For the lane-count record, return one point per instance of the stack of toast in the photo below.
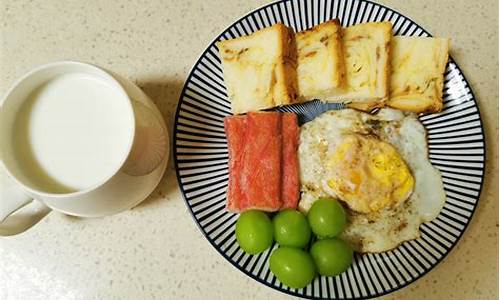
(362, 65)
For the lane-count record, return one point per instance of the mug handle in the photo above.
(18, 211)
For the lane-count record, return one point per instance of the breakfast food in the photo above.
(361, 65)
(328, 255)
(364, 181)
(368, 173)
(418, 64)
(378, 166)
(263, 161)
(254, 231)
(366, 52)
(261, 156)
(327, 218)
(260, 69)
(290, 193)
(331, 256)
(291, 228)
(293, 266)
(320, 61)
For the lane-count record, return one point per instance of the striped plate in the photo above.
(456, 147)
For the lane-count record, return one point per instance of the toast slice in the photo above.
(367, 53)
(320, 61)
(260, 69)
(418, 64)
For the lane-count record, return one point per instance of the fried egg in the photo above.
(378, 167)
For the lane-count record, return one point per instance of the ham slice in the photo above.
(290, 186)
(260, 176)
(263, 162)
(235, 128)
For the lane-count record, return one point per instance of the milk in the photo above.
(72, 133)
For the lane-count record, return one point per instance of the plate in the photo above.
(456, 148)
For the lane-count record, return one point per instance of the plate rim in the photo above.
(289, 292)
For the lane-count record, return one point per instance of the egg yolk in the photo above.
(369, 174)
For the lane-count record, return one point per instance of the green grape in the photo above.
(254, 231)
(291, 229)
(331, 256)
(326, 218)
(293, 267)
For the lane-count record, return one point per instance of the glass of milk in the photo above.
(77, 139)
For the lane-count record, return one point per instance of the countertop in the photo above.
(155, 250)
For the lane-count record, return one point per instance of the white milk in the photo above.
(72, 133)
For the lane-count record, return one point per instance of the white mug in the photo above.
(79, 140)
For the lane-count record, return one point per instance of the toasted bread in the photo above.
(260, 69)
(366, 52)
(320, 62)
(418, 64)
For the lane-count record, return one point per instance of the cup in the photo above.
(79, 140)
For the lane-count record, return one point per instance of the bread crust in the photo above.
(408, 93)
(287, 67)
(375, 92)
(318, 79)
(260, 69)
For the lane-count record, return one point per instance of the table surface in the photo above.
(155, 250)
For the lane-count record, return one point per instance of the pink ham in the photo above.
(290, 187)
(260, 176)
(235, 128)
(263, 162)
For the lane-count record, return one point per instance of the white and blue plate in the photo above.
(456, 148)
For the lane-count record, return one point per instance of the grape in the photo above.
(326, 218)
(254, 231)
(293, 267)
(331, 256)
(291, 229)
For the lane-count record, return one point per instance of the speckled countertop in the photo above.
(155, 250)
